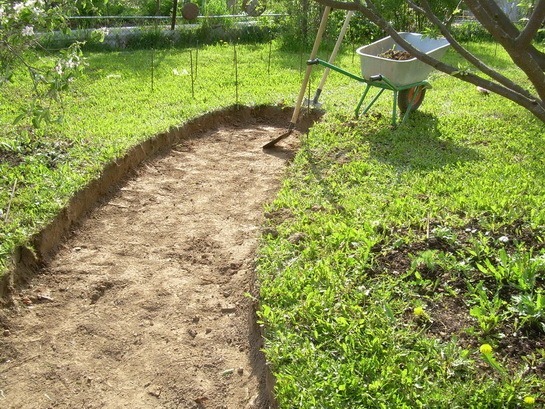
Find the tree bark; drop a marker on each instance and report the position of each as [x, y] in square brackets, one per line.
[489, 15]
[495, 14]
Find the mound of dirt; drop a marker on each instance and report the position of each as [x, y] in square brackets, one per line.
[396, 55]
[146, 304]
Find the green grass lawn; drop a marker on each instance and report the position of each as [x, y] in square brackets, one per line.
[391, 256]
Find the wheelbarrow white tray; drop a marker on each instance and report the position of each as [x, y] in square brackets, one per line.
[403, 72]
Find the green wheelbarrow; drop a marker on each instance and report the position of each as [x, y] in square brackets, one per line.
[407, 97]
[405, 78]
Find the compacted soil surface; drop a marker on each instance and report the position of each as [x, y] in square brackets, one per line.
[147, 303]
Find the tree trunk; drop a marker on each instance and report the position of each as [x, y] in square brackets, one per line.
[174, 10]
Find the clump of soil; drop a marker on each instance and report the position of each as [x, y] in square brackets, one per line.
[396, 55]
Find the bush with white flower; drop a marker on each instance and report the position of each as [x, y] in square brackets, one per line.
[20, 23]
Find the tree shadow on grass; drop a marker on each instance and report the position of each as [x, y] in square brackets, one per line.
[414, 147]
[417, 145]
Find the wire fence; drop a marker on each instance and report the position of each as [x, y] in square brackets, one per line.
[143, 31]
[85, 22]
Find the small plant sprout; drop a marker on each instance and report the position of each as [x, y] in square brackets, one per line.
[489, 312]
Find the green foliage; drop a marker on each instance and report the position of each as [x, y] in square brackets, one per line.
[470, 31]
[19, 23]
[299, 27]
[360, 31]
[150, 8]
[529, 310]
[98, 7]
[488, 312]
[418, 244]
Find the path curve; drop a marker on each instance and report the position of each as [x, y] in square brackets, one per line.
[144, 305]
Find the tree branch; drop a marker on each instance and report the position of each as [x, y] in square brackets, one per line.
[534, 23]
[342, 5]
[450, 18]
[498, 16]
[426, 10]
[489, 19]
[522, 57]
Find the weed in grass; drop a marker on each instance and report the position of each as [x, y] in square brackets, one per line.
[487, 353]
[488, 312]
[529, 311]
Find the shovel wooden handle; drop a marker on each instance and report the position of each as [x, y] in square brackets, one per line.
[317, 42]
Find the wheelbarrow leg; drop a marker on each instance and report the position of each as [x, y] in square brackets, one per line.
[394, 109]
[368, 107]
[358, 107]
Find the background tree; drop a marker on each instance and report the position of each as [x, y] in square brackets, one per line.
[518, 43]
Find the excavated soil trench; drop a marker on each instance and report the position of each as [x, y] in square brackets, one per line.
[144, 304]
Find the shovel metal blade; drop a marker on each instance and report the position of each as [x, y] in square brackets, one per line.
[277, 139]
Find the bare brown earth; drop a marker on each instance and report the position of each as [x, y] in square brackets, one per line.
[145, 304]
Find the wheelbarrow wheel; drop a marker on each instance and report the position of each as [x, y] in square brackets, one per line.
[410, 98]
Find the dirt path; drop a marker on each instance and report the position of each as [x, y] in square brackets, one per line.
[144, 305]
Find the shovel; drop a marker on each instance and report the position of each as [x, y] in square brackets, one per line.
[295, 115]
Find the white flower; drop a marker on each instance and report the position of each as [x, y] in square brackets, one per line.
[18, 7]
[71, 63]
[27, 31]
[58, 69]
[2, 13]
[504, 239]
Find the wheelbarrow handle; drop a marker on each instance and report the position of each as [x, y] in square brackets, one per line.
[315, 61]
